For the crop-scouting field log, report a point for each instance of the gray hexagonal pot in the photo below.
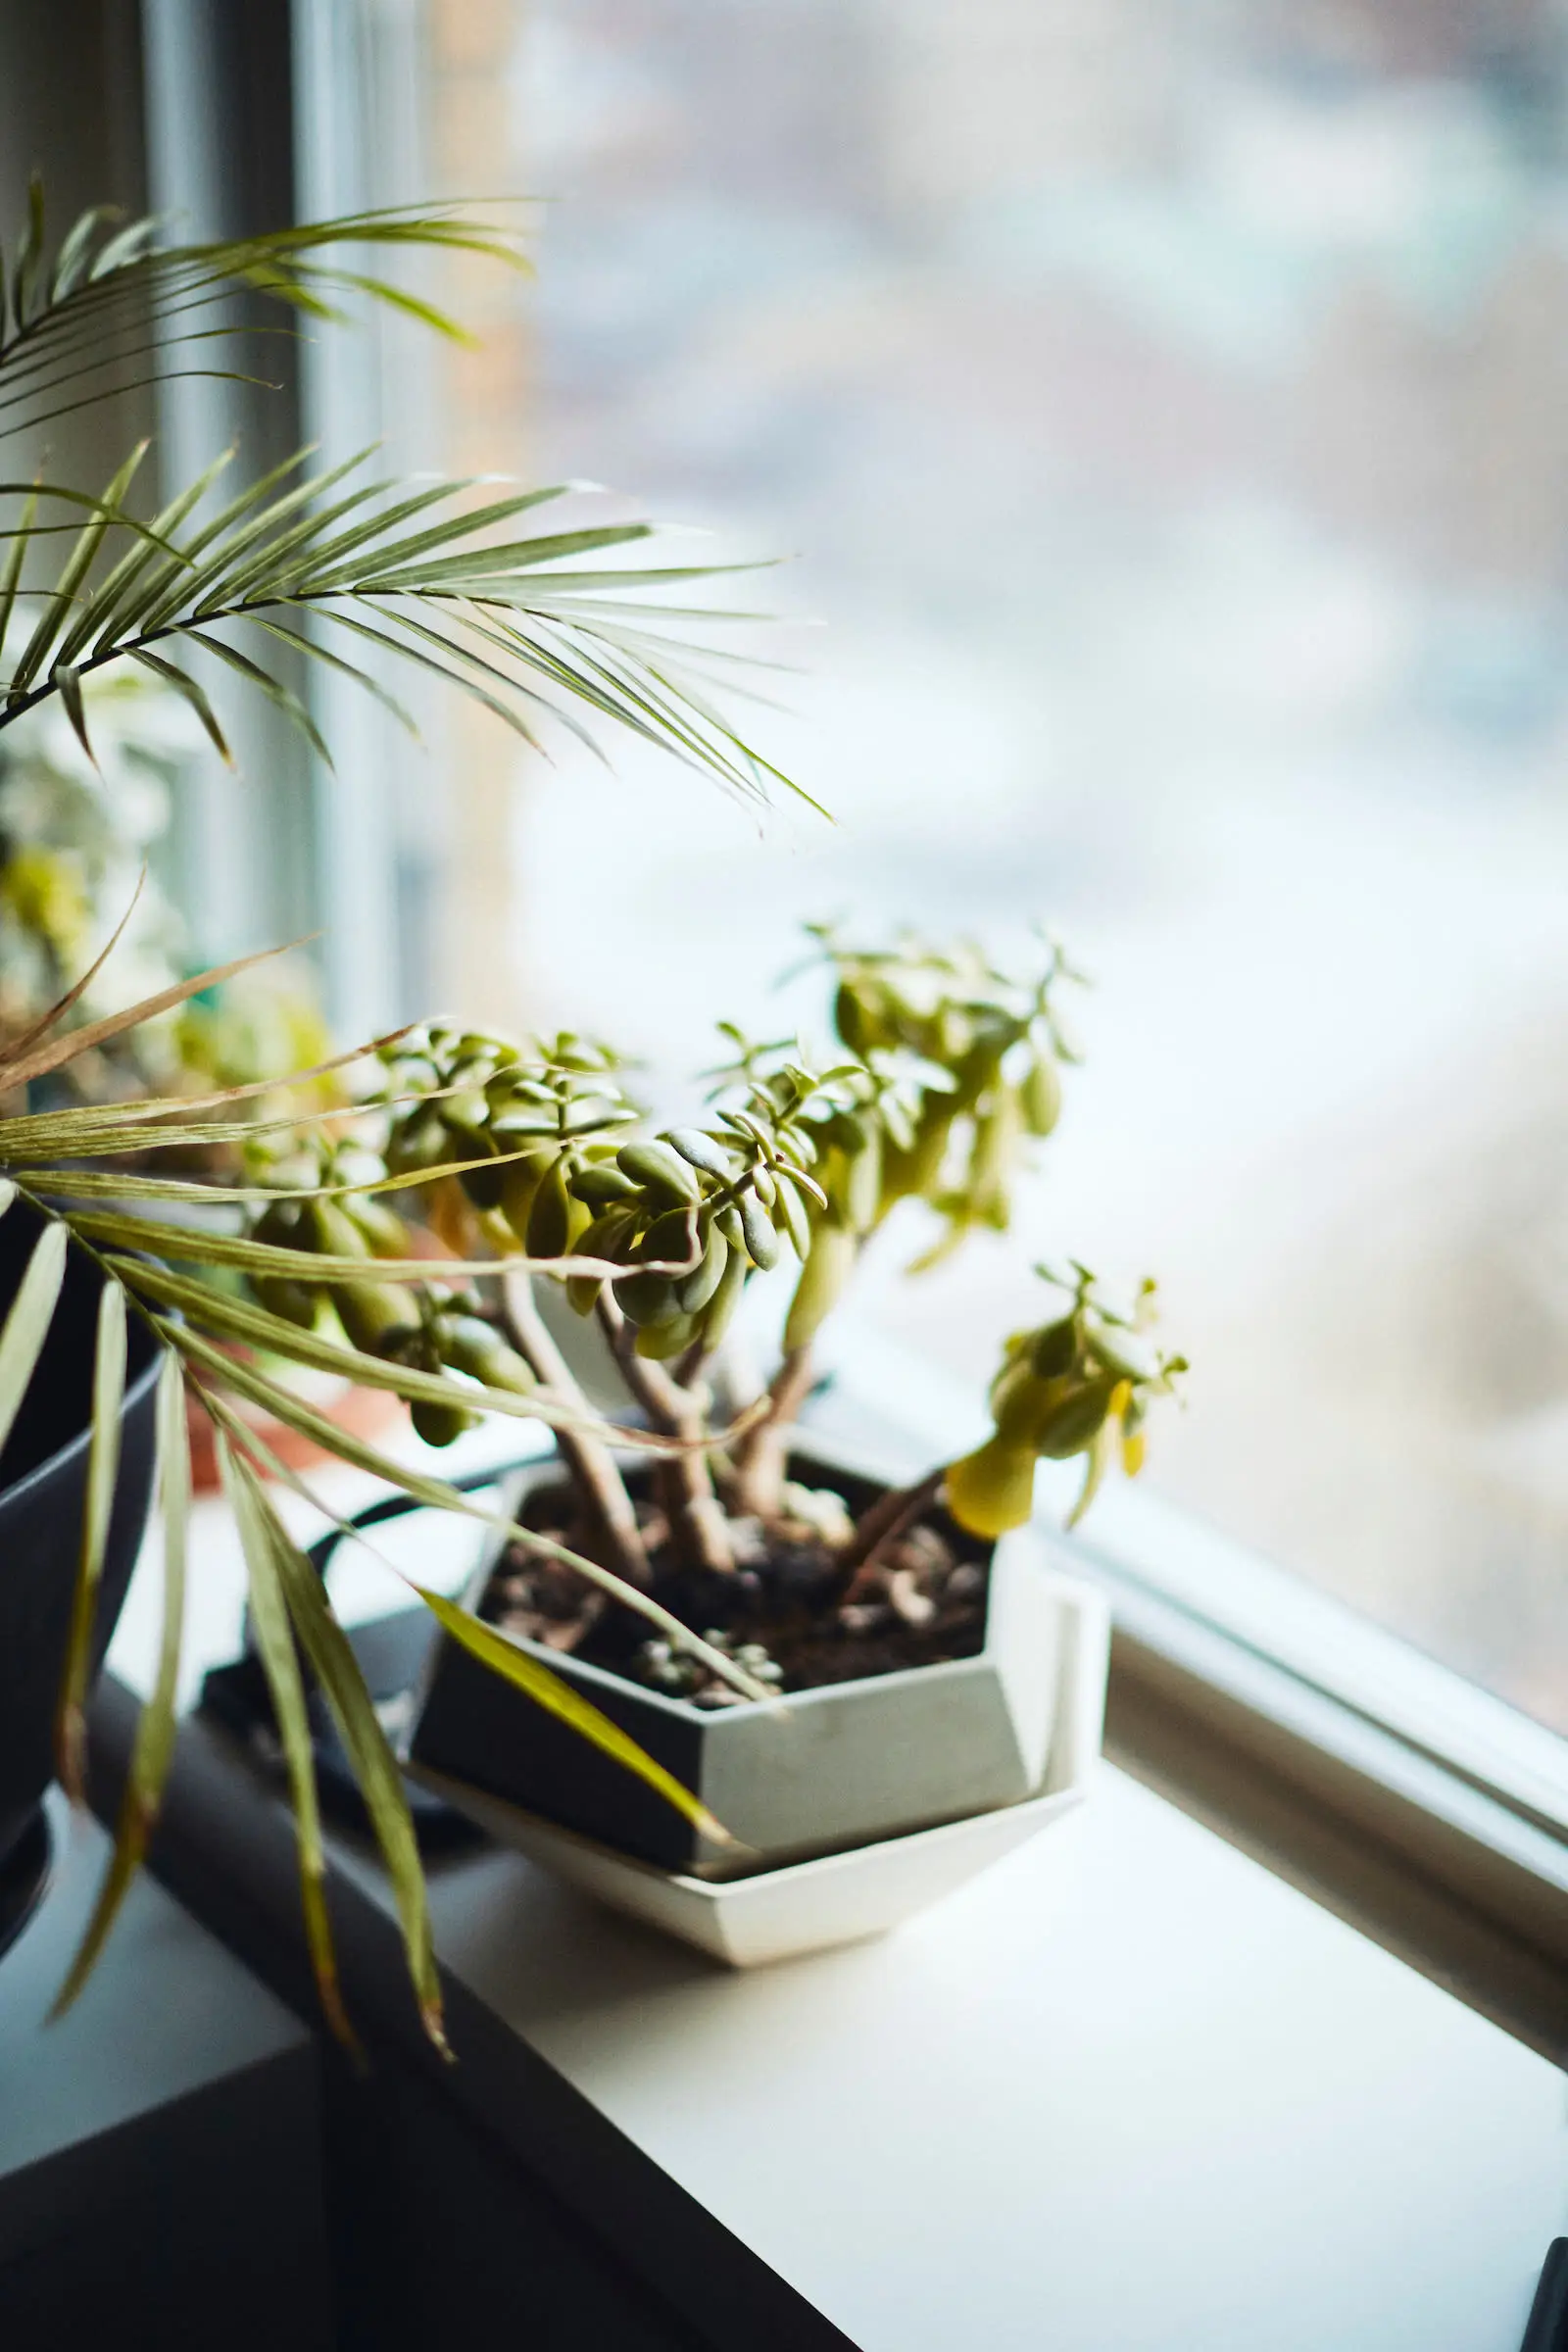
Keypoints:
(812, 1774)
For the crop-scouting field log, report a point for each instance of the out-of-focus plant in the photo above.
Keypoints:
(77, 835)
(73, 840)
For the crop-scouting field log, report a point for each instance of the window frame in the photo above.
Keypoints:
(347, 851)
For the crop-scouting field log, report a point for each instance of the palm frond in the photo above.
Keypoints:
(512, 622)
(14, 558)
(291, 561)
(154, 1749)
(294, 1591)
(538, 629)
(274, 1643)
(26, 1325)
(306, 1422)
(103, 1468)
(39, 1135)
(558, 1697)
(375, 1769)
(198, 1244)
(28, 1038)
(37, 1058)
(285, 1599)
(71, 329)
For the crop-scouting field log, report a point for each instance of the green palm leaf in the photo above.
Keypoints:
(154, 1748)
(194, 1245)
(274, 1643)
(39, 1134)
(519, 627)
(16, 557)
(103, 1468)
(63, 329)
(291, 560)
(539, 629)
(27, 1326)
(493, 1648)
(185, 686)
(513, 1664)
(21, 1068)
(376, 1768)
(285, 1590)
(27, 1038)
(306, 1422)
(60, 606)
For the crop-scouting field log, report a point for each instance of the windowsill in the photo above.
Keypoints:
(1126, 2088)
(1420, 1808)
(1129, 2035)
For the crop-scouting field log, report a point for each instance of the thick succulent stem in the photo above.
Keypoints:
(763, 1454)
(600, 1487)
(882, 1525)
(698, 1528)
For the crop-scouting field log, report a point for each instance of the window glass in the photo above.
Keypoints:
(1170, 409)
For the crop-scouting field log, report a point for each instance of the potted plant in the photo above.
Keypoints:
(110, 1320)
(910, 1632)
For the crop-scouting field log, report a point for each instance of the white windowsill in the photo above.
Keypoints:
(1125, 2089)
(1129, 2087)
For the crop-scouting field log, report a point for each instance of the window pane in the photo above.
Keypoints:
(1170, 404)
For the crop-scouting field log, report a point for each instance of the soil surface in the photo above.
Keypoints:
(784, 1613)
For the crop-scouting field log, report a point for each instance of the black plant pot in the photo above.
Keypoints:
(43, 1477)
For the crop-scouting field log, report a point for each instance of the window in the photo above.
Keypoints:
(1169, 405)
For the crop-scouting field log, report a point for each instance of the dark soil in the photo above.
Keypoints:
(783, 1613)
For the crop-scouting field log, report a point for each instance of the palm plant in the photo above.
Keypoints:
(322, 563)
(311, 560)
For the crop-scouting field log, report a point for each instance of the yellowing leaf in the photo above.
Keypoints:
(559, 1699)
(154, 1748)
(27, 1326)
(103, 1468)
(274, 1643)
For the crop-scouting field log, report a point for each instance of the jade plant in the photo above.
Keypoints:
(943, 1078)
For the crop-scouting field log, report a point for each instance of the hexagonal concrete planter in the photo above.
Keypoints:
(840, 1897)
(815, 1773)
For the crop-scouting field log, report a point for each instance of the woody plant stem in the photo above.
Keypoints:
(763, 1454)
(698, 1526)
(592, 1465)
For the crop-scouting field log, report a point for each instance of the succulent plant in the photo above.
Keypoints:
(944, 1078)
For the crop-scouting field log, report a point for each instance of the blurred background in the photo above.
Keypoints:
(1165, 409)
